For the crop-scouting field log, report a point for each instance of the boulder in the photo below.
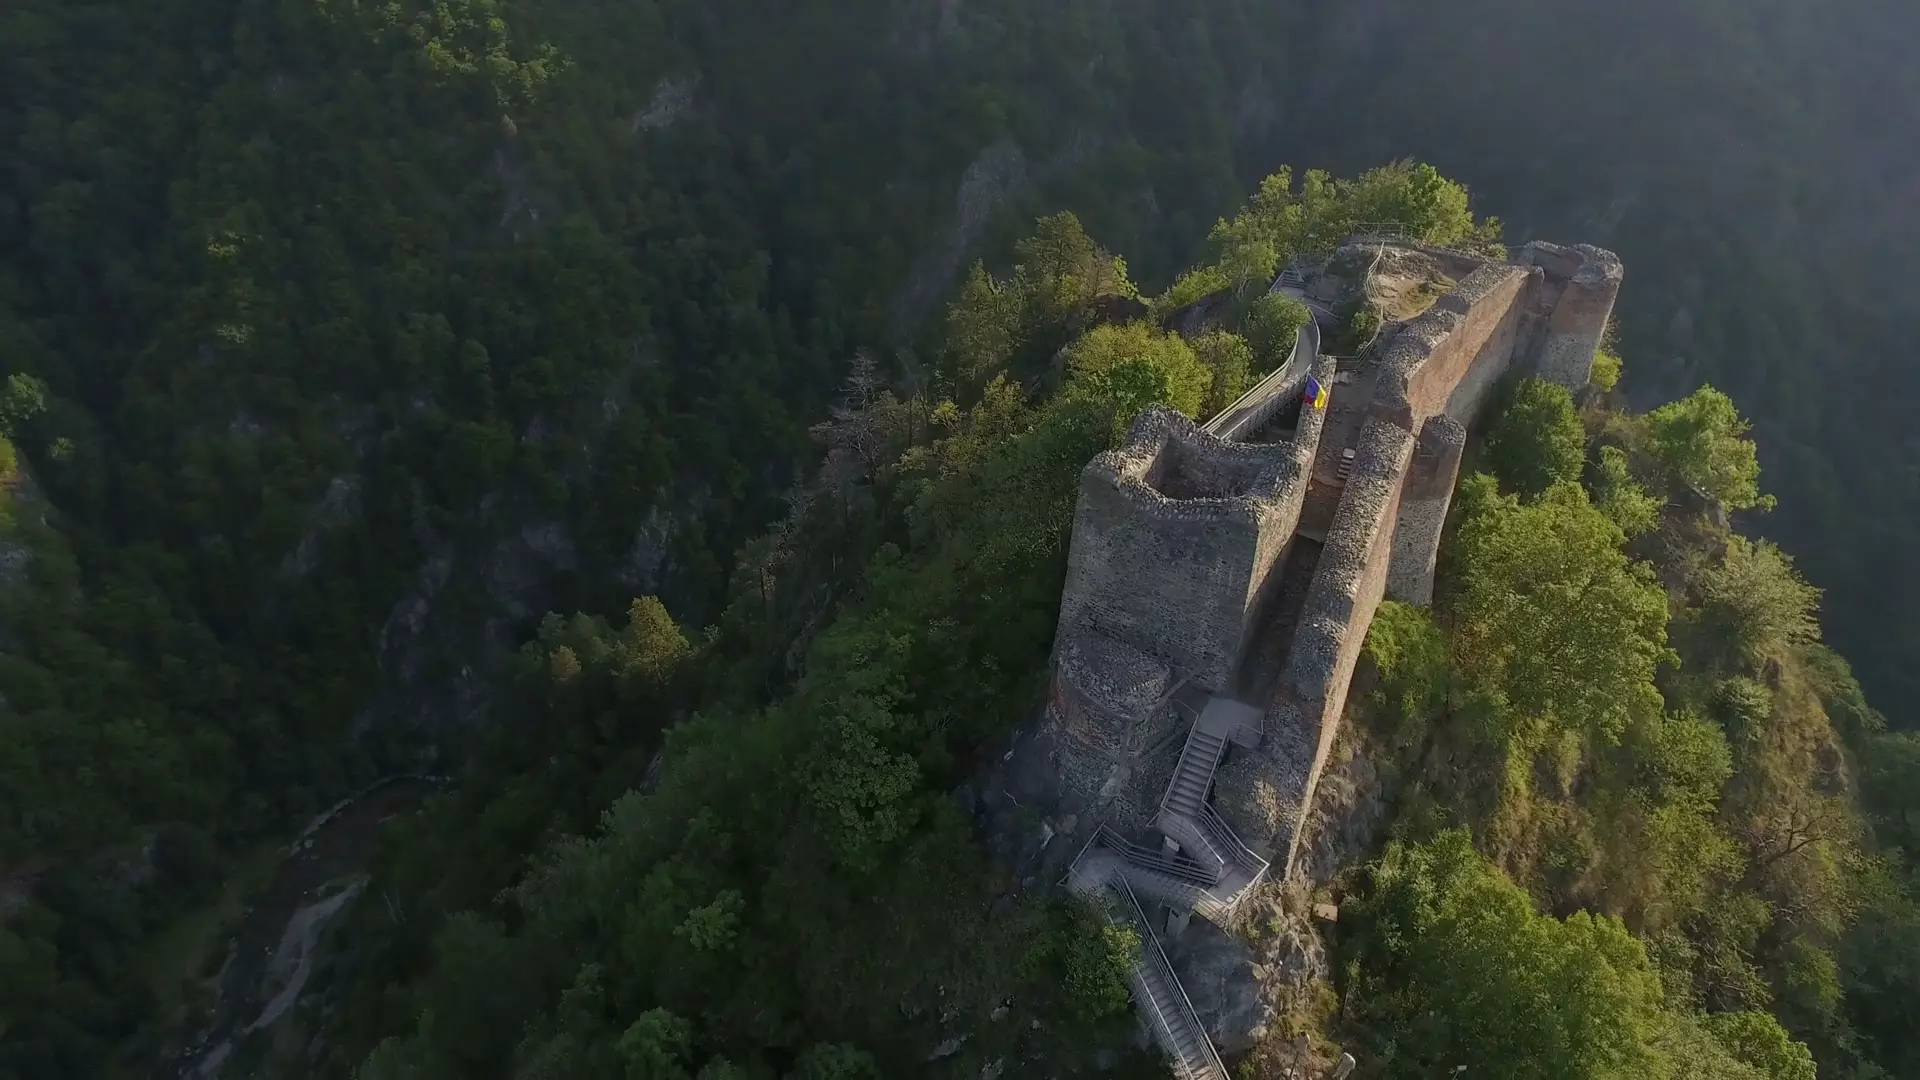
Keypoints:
(1217, 971)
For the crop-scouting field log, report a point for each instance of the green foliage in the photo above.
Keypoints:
(458, 256)
(1064, 272)
(1455, 967)
(1890, 790)
(1620, 496)
(1089, 958)
(1656, 803)
(1451, 963)
(1230, 359)
(1194, 285)
(1014, 327)
(1274, 322)
(796, 870)
(1536, 441)
(1550, 616)
(983, 327)
(27, 976)
(1415, 198)
(835, 1061)
(456, 40)
(1696, 1054)
(403, 1059)
(1758, 1040)
(1410, 654)
(21, 399)
(1881, 969)
(1123, 369)
(1701, 440)
(1607, 368)
(484, 988)
(1359, 328)
(1753, 604)
(656, 1046)
(1281, 221)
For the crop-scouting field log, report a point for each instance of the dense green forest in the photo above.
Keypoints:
(1641, 825)
(343, 341)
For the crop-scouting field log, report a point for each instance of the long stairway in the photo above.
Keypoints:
(1162, 1003)
(1207, 870)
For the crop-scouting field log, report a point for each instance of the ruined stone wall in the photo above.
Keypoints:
(1471, 330)
(1275, 545)
(1424, 500)
(1174, 539)
(1172, 549)
(1114, 768)
(1172, 577)
(1435, 376)
(1589, 280)
(1264, 797)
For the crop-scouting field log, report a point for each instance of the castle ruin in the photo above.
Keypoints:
(1222, 579)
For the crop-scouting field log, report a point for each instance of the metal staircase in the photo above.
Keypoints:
(1193, 777)
(1208, 870)
(1161, 1001)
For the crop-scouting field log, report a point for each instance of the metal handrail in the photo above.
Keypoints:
(1150, 946)
(1220, 856)
(1119, 885)
(1186, 869)
(1222, 834)
(1279, 376)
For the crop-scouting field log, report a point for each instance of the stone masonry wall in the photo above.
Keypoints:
(1579, 319)
(1424, 500)
(1474, 327)
(1180, 577)
(1264, 798)
(1440, 366)
(1172, 548)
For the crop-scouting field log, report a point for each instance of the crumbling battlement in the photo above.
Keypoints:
(1175, 539)
(1587, 280)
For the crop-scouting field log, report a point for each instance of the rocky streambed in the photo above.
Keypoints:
(271, 956)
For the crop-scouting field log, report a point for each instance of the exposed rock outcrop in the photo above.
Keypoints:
(1223, 980)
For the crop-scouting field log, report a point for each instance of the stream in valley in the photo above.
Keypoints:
(271, 956)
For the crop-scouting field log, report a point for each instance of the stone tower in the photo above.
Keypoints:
(1176, 544)
(1175, 541)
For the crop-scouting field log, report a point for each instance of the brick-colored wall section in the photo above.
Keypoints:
(1424, 500)
(1473, 327)
(1439, 367)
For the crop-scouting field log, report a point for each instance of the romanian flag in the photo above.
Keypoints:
(1316, 395)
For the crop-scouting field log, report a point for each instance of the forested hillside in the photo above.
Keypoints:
(344, 341)
(1640, 821)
